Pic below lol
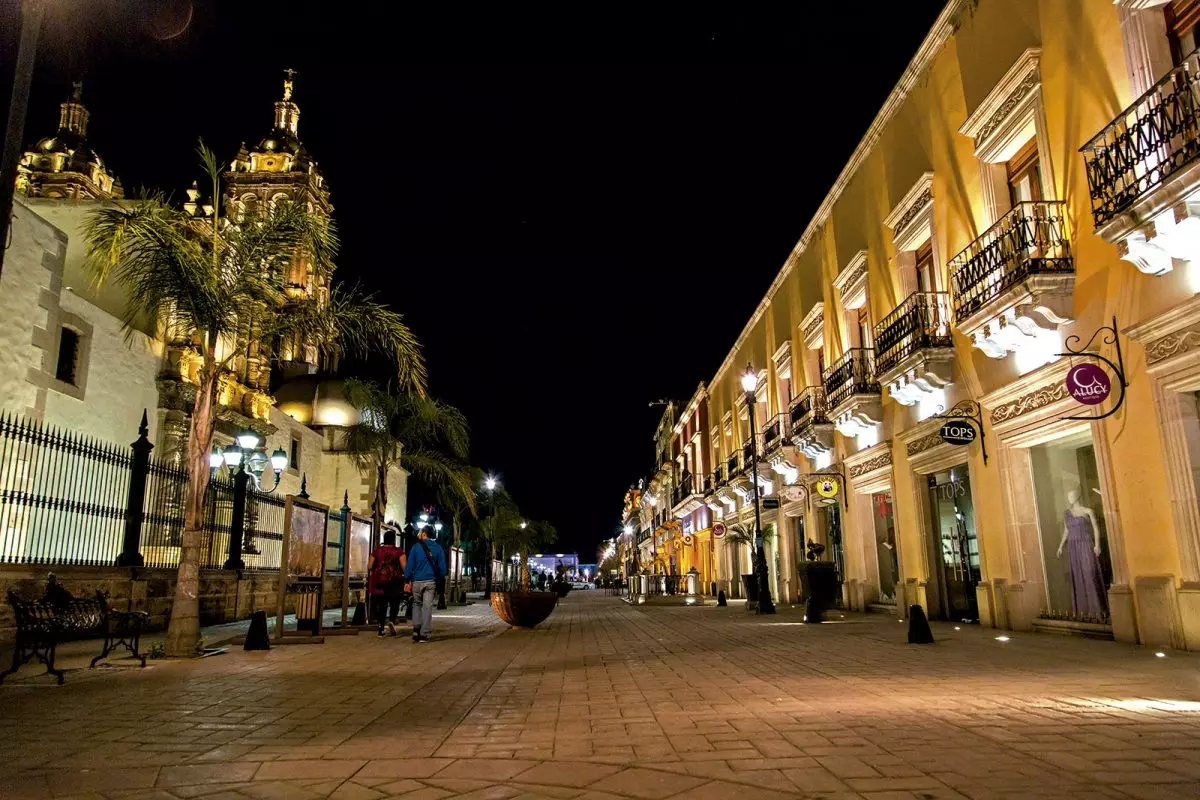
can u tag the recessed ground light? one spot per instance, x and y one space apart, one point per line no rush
1160 654
1001 638
957 628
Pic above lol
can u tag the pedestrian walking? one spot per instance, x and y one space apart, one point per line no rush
385 582
426 569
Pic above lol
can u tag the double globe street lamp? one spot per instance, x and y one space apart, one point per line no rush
765 604
245 449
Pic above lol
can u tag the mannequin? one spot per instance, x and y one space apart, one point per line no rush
1081 537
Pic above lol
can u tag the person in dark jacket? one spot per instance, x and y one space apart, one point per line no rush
385 582
426 566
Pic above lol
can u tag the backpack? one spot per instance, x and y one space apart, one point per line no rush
385 570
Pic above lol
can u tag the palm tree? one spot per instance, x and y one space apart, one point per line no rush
539 535
459 505
218 285
426 437
501 527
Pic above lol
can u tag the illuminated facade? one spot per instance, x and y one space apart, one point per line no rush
1033 177
69 363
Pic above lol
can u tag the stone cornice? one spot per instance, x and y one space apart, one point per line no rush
935 40
913 202
1016 84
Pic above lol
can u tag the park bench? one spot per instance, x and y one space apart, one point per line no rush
59 617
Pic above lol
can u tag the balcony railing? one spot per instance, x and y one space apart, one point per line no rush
732 467
809 408
747 454
1147 143
773 431
853 373
921 321
1031 239
717 479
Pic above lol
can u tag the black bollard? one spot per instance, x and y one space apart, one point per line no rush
721 598
360 615
462 597
918 626
813 613
256 637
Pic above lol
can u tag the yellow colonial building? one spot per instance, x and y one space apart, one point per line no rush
975 377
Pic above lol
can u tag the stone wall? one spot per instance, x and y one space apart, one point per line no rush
223 597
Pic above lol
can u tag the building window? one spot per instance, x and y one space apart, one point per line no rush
294 455
67 368
1182 19
924 266
1024 174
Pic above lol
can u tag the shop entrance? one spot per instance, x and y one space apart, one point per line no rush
956 547
884 519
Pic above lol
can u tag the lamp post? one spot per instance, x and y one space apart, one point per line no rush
235 455
489 484
765 604
628 531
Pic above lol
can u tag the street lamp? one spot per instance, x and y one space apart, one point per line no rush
243 450
765 604
489 484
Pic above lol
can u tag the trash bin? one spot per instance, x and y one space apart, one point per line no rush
818 580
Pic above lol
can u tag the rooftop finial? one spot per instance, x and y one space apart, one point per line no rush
76 91
289 77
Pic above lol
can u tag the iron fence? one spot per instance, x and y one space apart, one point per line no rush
921 321
1148 142
773 432
70 499
1031 239
853 373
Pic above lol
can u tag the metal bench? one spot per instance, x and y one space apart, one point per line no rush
59 617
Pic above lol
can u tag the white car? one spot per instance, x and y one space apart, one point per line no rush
580 585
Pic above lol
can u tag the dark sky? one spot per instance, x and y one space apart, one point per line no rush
577 205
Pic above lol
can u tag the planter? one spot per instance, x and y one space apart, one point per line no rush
563 588
523 609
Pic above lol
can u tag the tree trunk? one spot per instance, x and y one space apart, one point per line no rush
458 546
525 577
183 631
487 591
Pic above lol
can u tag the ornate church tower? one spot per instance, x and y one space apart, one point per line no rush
280 167
64 166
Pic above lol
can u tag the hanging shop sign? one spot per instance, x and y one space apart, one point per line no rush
687 540
719 530
1088 384
958 432
828 488
769 503
1091 383
963 425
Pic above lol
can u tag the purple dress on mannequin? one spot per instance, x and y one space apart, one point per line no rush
1088 596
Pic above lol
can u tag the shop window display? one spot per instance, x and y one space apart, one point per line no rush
885 546
1074 536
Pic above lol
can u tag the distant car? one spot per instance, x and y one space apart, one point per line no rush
580 585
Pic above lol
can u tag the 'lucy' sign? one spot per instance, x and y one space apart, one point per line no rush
1088 383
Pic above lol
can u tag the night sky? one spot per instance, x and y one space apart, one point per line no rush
577 205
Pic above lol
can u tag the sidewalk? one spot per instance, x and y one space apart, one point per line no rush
607 700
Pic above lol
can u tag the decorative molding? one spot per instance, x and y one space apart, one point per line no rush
927 442
783 359
1004 113
880 461
1172 344
913 75
915 201
813 326
1038 398
851 282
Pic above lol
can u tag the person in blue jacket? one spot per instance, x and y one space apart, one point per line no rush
426 568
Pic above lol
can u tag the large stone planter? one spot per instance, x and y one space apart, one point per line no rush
562 588
523 609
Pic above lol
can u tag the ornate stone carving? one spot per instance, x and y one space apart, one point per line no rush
1172 344
924 443
1014 98
910 213
880 461
1039 398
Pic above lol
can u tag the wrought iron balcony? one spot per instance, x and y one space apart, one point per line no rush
773 432
1146 144
747 454
809 408
921 321
1029 240
718 478
853 373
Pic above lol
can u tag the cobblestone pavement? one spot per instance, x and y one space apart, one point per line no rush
606 701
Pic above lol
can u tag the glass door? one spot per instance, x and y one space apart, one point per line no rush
954 538
885 546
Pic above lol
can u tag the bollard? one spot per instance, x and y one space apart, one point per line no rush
918 626
813 613
721 598
256 637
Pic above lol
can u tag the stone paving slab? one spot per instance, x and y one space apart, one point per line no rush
608 700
